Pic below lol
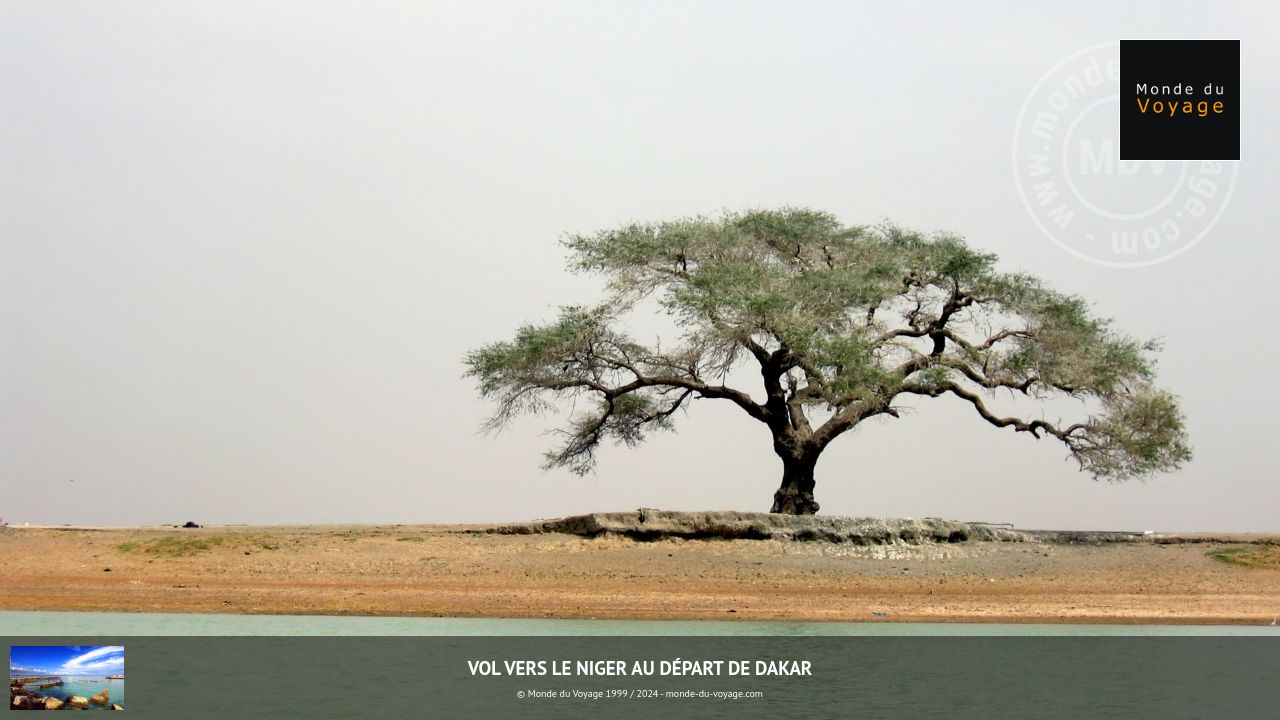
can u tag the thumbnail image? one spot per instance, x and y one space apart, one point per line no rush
66 677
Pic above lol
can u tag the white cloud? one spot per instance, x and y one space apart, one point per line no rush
105 659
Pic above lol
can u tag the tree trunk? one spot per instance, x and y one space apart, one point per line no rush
795 496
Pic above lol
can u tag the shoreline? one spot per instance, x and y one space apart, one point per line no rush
1138 621
470 572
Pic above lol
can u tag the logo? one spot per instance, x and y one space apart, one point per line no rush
1180 99
1096 203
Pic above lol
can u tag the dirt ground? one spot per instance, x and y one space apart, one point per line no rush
443 571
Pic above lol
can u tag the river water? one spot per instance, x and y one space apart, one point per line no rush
23 623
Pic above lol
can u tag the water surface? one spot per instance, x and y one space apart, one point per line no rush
23 623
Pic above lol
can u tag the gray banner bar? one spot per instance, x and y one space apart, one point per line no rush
1119 678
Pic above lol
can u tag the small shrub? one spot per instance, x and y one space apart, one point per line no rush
1253 556
172 546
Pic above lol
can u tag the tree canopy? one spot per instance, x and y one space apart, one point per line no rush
842 322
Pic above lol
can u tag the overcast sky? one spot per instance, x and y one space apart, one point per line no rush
245 246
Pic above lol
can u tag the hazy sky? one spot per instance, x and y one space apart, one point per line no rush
244 247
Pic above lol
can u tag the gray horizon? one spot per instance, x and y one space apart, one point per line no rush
244 249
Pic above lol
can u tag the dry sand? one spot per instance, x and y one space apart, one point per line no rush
444 571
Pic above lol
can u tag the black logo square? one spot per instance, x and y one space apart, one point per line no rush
1180 99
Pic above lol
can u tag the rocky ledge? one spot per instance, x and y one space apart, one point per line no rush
646 524
22 699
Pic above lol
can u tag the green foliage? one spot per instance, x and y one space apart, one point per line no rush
1141 433
1250 556
172 546
625 418
182 545
841 321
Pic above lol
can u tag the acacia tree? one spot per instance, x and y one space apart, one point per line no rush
842 323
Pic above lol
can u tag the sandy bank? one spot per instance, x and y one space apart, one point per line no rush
474 572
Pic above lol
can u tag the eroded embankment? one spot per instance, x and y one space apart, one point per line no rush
646 524
649 524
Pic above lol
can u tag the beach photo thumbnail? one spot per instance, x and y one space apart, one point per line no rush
58 677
